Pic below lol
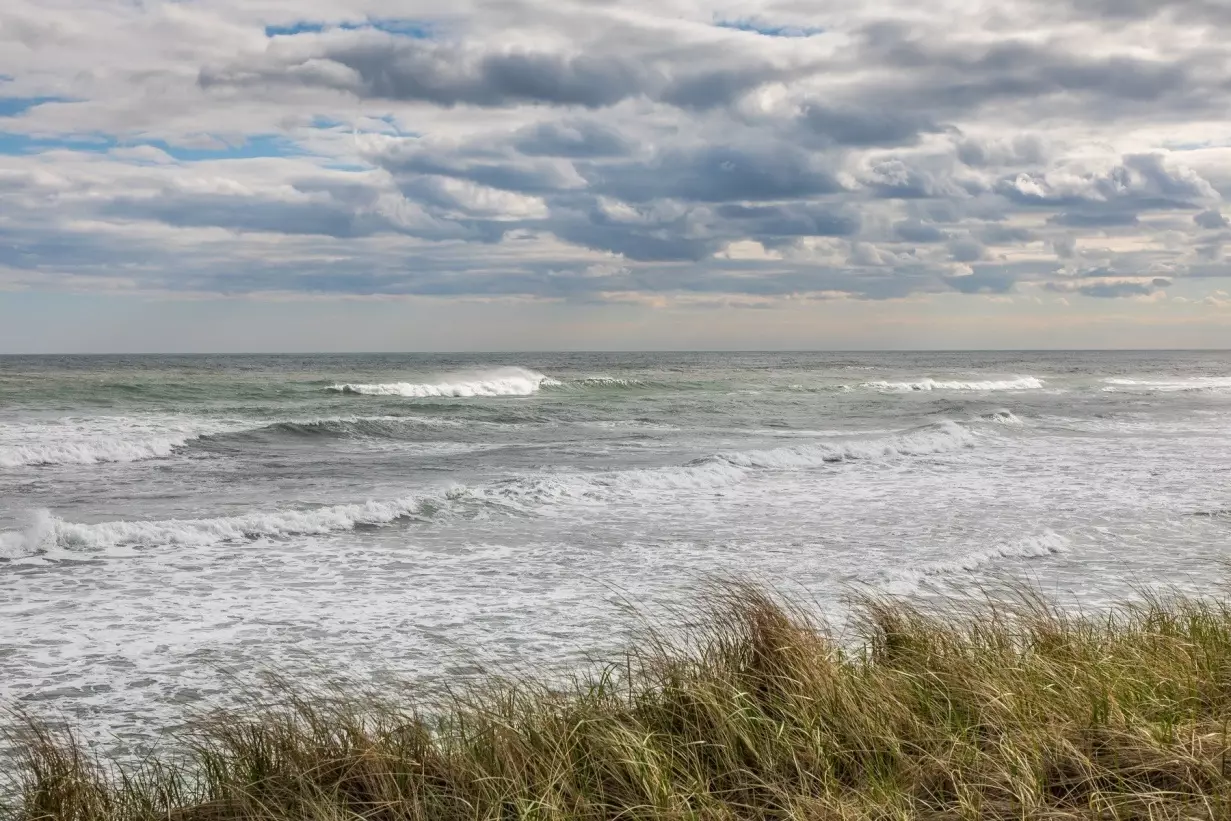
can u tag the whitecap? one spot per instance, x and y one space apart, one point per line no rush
1021 383
500 382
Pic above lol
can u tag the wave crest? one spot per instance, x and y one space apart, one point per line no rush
1021 383
519 495
1214 384
91 441
501 382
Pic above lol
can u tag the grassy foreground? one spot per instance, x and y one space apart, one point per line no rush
978 712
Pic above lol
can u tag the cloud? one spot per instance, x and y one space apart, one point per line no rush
1211 220
716 173
378 65
1110 289
577 139
918 231
573 151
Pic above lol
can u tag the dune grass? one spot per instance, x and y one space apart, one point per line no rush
757 712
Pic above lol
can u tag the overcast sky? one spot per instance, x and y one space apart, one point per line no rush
221 175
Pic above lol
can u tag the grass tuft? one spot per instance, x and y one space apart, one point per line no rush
965 711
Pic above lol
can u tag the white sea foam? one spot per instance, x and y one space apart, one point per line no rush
1004 417
520 493
1216 384
1021 383
944 437
1037 545
48 532
500 382
610 382
89 441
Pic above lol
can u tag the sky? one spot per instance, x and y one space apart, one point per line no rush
370 175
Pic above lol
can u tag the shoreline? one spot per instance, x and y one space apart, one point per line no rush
948 709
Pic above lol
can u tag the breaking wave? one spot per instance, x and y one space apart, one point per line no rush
519 495
1021 383
1039 545
1216 384
49 532
101 440
89 452
501 382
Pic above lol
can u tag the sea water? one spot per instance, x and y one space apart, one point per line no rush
169 524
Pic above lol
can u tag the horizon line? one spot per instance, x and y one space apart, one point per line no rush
511 352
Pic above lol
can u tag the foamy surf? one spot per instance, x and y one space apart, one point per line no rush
521 495
1035 546
1021 383
91 441
50 532
944 437
1216 384
501 382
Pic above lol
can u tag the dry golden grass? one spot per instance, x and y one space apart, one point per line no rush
971 712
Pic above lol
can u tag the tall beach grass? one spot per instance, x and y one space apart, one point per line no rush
988 711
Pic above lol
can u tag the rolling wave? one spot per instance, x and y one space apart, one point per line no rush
1021 383
1212 384
1034 546
517 495
89 452
100 440
501 382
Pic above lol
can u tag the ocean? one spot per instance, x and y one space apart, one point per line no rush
169 524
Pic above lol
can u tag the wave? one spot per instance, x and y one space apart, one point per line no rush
1004 416
51 532
606 382
520 495
1039 545
89 452
501 382
100 440
943 437
1021 383
1217 384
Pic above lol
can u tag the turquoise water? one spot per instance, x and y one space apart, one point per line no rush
168 521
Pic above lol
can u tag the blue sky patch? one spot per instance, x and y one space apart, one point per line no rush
768 30
11 143
404 28
264 145
14 106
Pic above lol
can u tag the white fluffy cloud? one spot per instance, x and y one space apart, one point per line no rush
579 151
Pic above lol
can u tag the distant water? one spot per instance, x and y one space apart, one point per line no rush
168 521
